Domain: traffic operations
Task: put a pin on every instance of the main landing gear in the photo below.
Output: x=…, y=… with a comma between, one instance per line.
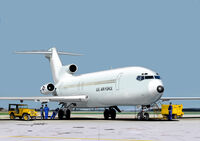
x=65, y=112
x=111, y=112
x=143, y=115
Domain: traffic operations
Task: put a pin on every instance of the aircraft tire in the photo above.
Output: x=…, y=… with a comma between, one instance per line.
x=68, y=114
x=60, y=114
x=140, y=116
x=146, y=116
x=106, y=114
x=113, y=114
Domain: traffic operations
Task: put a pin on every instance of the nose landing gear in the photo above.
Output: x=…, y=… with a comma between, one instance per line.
x=143, y=115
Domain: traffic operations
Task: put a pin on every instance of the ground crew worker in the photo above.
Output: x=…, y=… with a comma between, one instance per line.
x=46, y=110
x=54, y=113
x=42, y=112
x=170, y=111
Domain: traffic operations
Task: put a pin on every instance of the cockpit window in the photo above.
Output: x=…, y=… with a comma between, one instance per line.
x=157, y=77
x=149, y=77
x=143, y=77
x=140, y=78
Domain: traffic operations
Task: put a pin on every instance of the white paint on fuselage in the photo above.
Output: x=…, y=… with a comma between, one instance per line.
x=117, y=87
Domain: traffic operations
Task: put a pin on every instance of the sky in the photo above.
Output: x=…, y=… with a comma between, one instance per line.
x=163, y=36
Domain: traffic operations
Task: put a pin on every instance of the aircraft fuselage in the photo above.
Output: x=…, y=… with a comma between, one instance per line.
x=117, y=87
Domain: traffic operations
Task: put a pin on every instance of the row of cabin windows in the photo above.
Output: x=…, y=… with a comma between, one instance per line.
x=141, y=77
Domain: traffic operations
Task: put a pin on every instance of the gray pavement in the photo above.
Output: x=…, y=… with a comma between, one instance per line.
x=97, y=129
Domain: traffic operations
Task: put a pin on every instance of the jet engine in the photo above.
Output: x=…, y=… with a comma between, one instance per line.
x=71, y=68
x=47, y=89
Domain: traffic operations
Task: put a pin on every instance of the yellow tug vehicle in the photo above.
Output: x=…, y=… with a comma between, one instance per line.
x=177, y=111
x=21, y=111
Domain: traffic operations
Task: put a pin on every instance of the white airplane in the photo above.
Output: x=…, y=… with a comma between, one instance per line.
x=129, y=86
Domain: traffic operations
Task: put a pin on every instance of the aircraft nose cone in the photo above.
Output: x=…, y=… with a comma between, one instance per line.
x=160, y=89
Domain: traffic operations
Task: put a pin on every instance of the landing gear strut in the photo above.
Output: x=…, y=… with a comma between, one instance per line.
x=110, y=113
x=142, y=115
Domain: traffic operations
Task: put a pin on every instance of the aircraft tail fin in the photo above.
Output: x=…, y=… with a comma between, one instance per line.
x=53, y=55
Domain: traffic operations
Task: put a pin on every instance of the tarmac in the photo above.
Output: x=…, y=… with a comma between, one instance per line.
x=92, y=127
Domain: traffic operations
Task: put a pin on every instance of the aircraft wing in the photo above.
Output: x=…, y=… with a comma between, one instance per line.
x=78, y=98
x=179, y=98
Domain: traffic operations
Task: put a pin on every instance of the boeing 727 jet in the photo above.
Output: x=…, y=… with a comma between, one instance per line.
x=109, y=89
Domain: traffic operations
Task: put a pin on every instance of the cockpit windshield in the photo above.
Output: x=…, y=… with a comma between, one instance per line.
x=149, y=77
x=143, y=77
x=157, y=77
x=140, y=78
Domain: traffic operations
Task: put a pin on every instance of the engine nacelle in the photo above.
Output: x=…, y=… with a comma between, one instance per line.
x=47, y=88
x=71, y=68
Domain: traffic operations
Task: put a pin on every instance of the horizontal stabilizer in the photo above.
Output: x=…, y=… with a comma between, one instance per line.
x=47, y=52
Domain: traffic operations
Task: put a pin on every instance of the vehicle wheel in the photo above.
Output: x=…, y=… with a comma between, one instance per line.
x=68, y=114
x=26, y=117
x=113, y=114
x=12, y=116
x=60, y=114
x=106, y=114
x=146, y=116
x=175, y=117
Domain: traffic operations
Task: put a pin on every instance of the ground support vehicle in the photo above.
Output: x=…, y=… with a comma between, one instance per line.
x=21, y=111
x=176, y=111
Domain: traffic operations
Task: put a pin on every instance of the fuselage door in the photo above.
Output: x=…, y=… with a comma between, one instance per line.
x=117, y=84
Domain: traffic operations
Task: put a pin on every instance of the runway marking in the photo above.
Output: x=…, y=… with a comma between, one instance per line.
x=66, y=138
